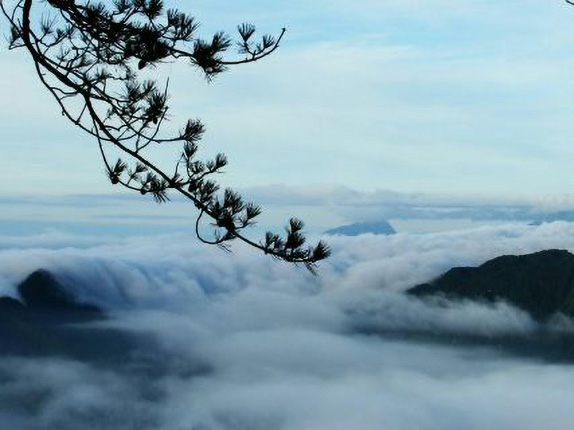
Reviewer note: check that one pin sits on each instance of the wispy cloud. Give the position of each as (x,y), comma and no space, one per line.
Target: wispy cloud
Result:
(401,95)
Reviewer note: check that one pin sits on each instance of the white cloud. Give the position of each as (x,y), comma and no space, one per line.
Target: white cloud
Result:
(227,341)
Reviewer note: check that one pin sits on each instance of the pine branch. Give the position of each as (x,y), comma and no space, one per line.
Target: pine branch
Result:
(89,56)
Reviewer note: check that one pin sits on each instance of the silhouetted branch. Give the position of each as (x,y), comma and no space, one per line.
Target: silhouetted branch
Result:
(88,54)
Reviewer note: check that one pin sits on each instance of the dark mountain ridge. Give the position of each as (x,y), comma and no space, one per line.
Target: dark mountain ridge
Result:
(48,320)
(41,292)
(541,283)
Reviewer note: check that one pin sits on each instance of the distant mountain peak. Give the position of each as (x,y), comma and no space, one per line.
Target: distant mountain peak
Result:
(382,227)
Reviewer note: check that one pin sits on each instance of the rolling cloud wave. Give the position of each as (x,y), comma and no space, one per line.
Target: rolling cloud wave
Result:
(241,342)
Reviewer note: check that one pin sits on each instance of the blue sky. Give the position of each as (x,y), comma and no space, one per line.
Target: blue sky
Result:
(435,96)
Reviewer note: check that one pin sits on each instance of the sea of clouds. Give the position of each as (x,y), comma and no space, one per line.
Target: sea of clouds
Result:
(242,342)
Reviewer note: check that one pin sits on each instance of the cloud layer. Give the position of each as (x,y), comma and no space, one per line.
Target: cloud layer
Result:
(238,341)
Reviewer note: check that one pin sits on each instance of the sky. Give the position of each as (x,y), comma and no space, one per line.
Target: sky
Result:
(411,96)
